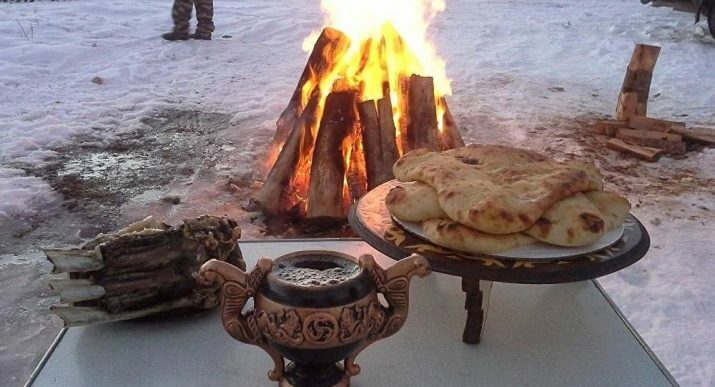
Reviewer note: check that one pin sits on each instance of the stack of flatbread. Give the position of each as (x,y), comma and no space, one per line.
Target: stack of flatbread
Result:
(489,199)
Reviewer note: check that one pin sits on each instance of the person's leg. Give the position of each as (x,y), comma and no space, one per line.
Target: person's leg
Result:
(205,16)
(181,13)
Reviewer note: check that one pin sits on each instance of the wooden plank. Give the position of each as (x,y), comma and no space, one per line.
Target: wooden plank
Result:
(705,135)
(609,127)
(642,152)
(653,124)
(670,143)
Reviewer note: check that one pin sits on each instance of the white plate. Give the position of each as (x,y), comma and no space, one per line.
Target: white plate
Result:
(538,250)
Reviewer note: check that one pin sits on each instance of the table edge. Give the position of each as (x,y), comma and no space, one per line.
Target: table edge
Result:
(635,334)
(639,339)
(46,357)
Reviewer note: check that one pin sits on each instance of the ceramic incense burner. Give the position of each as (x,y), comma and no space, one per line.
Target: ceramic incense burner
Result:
(315,308)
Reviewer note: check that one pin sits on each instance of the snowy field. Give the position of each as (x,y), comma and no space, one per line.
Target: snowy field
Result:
(526,73)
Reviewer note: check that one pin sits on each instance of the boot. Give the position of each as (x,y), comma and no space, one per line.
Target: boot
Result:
(175,36)
(201,36)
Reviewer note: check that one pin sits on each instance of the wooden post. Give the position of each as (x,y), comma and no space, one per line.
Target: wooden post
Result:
(327,172)
(638,77)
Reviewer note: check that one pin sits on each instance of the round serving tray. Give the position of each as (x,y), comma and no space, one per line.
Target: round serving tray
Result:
(371,220)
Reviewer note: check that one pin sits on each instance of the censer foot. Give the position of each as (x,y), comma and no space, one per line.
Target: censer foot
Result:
(315,375)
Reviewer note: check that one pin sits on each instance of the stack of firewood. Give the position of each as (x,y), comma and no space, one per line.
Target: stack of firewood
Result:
(635,133)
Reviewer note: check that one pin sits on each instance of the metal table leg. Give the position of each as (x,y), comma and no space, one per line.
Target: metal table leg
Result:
(476,304)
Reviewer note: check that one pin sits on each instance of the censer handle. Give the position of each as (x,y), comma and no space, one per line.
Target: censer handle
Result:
(394,284)
(237,288)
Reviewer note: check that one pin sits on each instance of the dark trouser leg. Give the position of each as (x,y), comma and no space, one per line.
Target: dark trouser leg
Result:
(205,16)
(181,13)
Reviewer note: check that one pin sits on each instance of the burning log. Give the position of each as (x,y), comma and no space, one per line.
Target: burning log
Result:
(450,136)
(638,78)
(272,196)
(357,174)
(330,46)
(388,132)
(327,172)
(422,127)
(378,134)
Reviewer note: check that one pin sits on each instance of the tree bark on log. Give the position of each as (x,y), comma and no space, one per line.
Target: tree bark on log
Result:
(329,47)
(327,172)
(422,128)
(639,75)
(450,137)
(271,196)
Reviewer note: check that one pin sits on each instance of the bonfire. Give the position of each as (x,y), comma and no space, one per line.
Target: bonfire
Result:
(373,89)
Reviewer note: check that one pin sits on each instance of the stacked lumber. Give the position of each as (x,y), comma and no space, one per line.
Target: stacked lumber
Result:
(635,133)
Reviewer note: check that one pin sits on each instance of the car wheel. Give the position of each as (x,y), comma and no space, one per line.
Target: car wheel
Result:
(711,21)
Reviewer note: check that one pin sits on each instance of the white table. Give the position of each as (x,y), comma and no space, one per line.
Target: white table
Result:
(537,335)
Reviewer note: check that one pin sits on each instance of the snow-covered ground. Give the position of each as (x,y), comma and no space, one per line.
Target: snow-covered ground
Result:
(527,73)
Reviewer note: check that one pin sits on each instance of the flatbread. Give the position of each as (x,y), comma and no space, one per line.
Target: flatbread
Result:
(496,189)
(573,221)
(614,207)
(450,234)
(414,202)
